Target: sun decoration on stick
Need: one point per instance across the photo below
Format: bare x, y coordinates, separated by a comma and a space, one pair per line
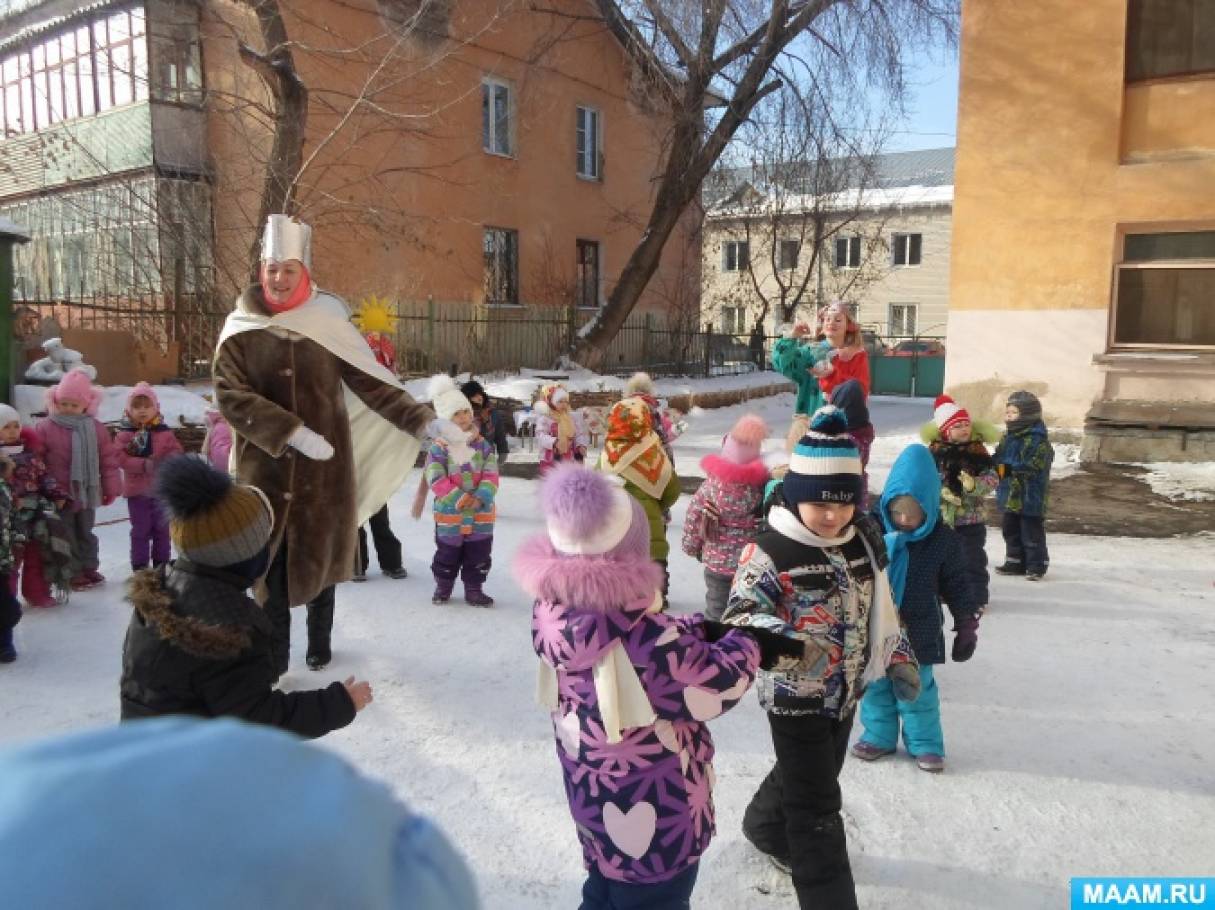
375, 315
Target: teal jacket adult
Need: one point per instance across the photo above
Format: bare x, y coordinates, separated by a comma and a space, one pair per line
794, 358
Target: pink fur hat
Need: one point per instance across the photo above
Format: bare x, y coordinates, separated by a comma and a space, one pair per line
743, 442
75, 386
144, 389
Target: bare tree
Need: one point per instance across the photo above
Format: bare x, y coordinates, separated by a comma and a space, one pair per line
742, 50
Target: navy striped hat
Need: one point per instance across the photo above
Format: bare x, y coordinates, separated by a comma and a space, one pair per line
826, 464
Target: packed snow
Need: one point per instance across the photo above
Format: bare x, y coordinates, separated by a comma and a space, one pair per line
1182, 480
1079, 737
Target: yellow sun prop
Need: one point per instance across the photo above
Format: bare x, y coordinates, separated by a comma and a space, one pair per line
375, 315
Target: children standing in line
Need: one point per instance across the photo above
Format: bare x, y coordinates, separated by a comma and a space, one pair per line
84, 462
559, 430
1023, 459
817, 573
144, 443
462, 471
42, 561
968, 475
197, 643
629, 689
633, 452
927, 566
10, 608
723, 516
850, 397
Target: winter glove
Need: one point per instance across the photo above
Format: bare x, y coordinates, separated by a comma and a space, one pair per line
773, 647
967, 481
966, 637
905, 679
310, 444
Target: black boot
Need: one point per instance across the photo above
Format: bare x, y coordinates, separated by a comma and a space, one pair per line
7, 652
320, 627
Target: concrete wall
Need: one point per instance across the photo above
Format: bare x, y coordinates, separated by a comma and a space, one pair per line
1056, 159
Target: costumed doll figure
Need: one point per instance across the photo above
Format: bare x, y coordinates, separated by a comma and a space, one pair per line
462, 472
144, 443
326, 432
43, 558
968, 477
927, 567
84, 462
633, 452
630, 690
723, 516
559, 430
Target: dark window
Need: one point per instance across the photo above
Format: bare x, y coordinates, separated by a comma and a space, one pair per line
789, 252
496, 117
587, 141
501, 249
1165, 294
1169, 38
735, 255
588, 274
848, 252
906, 249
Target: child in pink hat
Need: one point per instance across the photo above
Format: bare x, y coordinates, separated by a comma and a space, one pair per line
84, 462
144, 443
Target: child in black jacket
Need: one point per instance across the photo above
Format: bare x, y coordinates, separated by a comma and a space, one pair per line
197, 644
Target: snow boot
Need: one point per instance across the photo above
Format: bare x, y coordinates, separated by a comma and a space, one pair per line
95, 578
868, 751
476, 597
1034, 576
397, 574
442, 593
7, 652
1010, 568
320, 627
931, 762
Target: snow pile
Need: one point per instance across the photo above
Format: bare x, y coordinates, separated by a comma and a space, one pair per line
1067, 460
1194, 481
178, 404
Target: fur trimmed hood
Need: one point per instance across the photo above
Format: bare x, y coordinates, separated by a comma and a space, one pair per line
752, 474
594, 583
202, 616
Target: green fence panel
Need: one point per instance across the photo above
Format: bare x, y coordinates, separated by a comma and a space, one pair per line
929, 377
890, 375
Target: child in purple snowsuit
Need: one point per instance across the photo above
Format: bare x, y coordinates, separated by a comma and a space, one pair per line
630, 689
144, 442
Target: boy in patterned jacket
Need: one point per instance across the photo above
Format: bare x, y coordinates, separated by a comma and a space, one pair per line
817, 573
1023, 459
462, 472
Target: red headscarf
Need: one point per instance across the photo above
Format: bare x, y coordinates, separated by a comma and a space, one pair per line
301, 293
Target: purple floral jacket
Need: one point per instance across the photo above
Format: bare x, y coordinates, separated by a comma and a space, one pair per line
643, 807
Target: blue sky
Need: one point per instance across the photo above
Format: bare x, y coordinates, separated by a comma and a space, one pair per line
932, 102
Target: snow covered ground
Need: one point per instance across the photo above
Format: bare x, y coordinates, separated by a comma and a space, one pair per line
1080, 737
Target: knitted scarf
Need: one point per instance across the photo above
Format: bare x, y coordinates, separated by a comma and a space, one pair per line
86, 458
141, 445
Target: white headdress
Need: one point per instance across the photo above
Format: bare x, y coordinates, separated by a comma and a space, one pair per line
285, 238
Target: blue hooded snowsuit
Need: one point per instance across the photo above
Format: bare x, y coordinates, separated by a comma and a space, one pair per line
927, 566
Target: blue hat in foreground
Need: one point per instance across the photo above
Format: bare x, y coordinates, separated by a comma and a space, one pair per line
204, 814
825, 465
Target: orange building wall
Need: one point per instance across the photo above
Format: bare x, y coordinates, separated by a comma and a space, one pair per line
1043, 184
398, 205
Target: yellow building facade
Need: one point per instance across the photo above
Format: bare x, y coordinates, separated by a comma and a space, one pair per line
1084, 219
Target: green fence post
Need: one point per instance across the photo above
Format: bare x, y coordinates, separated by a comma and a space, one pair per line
10, 235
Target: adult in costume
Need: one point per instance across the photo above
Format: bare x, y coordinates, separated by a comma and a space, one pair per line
318, 425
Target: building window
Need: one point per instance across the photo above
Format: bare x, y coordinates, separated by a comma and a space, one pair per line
501, 249
1169, 38
587, 289
734, 320
902, 319
588, 141
848, 252
1165, 292
735, 255
496, 126
788, 254
905, 249
177, 63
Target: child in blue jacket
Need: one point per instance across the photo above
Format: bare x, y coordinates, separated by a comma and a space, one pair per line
1023, 459
927, 566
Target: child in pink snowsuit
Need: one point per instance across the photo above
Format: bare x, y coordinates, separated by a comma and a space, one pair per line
83, 460
144, 443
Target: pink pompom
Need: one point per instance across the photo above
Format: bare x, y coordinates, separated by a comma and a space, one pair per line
750, 430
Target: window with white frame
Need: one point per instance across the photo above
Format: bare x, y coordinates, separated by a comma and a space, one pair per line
905, 249
734, 320
787, 254
587, 287
848, 252
588, 141
496, 117
902, 319
735, 255
500, 247
1164, 295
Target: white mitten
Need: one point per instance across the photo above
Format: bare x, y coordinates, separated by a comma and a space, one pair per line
310, 444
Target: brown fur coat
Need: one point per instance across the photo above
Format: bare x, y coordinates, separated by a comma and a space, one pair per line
267, 385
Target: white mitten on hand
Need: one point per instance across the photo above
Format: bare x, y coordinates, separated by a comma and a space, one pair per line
967, 481
310, 444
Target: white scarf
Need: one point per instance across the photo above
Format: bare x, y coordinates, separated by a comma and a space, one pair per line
383, 454
884, 630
